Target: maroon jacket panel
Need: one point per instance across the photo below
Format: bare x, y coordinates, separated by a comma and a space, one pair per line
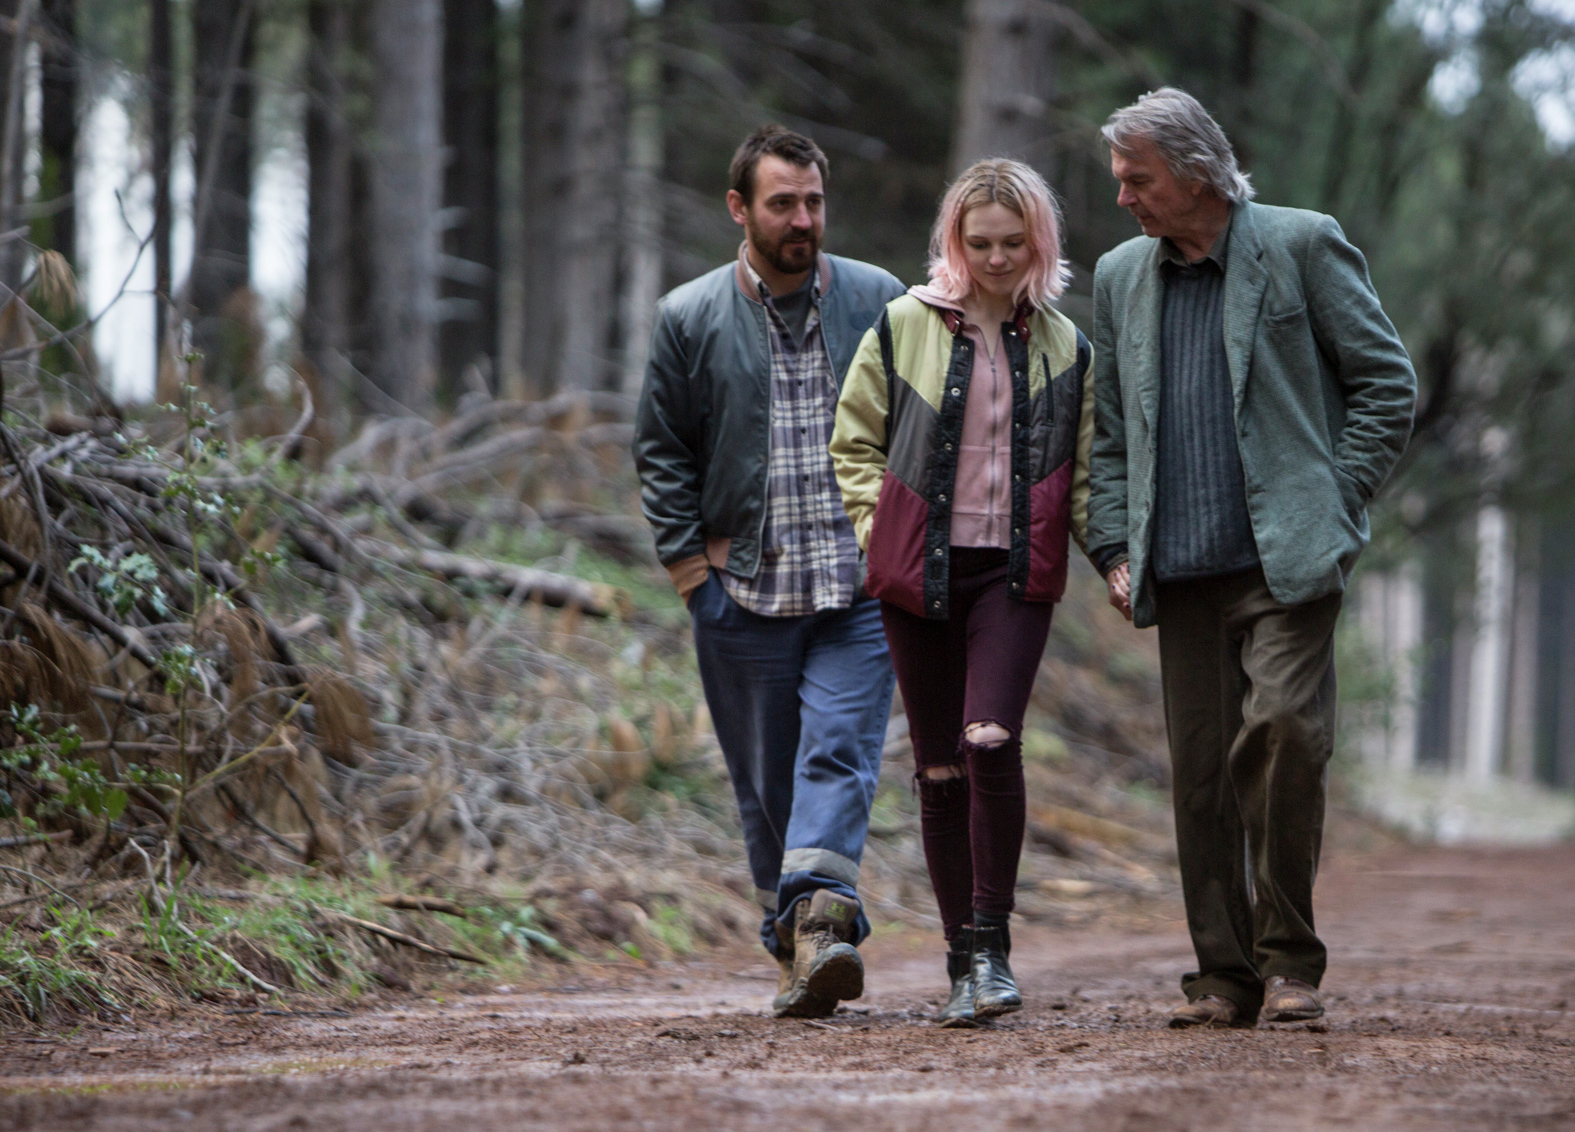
1049, 525
896, 558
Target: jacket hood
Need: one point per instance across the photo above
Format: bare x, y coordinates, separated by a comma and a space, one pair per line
931, 296
954, 314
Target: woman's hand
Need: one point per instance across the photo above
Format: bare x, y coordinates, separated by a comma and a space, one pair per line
1120, 582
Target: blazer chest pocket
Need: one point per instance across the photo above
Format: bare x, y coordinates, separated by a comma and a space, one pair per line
1292, 317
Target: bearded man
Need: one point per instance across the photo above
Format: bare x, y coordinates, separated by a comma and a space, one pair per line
731, 438
1251, 398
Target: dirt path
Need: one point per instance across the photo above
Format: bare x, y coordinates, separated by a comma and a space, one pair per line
1452, 1007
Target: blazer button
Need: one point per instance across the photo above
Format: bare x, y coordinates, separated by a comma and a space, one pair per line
956, 391
941, 497
938, 552
935, 604
948, 446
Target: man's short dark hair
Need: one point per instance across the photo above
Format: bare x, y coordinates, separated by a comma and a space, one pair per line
778, 141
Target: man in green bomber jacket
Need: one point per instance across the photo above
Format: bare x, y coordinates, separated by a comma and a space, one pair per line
1251, 399
730, 442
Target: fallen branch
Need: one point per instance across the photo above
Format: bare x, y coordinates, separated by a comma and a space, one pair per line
401, 937
34, 839
421, 904
558, 590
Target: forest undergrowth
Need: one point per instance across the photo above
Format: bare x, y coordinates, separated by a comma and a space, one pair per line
287, 723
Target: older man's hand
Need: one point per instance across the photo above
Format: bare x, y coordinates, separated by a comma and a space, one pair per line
1120, 582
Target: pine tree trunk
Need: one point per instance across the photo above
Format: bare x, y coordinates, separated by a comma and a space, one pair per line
161, 69
326, 322
472, 259
57, 177
573, 158
1008, 82
642, 203
218, 294
406, 183
19, 16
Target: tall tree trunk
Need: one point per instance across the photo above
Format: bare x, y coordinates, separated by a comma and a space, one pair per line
223, 94
1008, 82
20, 24
472, 252
161, 83
406, 197
642, 201
57, 178
326, 323
573, 157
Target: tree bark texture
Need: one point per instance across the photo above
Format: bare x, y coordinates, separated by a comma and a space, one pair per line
18, 16
471, 262
218, 294
643, 203
57, 176
574, 162
328, 320
406, 197
1007, 85
161, 70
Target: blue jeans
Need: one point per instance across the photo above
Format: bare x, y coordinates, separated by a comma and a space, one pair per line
800, 706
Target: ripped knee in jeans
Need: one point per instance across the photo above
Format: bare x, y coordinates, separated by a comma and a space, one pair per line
987, 734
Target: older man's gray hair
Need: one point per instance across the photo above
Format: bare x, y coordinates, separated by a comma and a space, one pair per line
1190, 141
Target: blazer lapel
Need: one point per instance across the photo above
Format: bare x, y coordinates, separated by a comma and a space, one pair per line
1144, 307
1246, 279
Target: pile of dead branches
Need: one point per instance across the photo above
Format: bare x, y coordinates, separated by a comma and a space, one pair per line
212, 654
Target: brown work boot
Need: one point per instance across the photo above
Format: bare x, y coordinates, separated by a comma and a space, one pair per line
1211, 1012
784, 985
1290, 1000
826, 968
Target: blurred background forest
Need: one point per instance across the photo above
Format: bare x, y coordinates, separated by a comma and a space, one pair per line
403, 201
359, 299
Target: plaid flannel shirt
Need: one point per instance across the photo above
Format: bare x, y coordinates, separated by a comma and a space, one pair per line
809, 558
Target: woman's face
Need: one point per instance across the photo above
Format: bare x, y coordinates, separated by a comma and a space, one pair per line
995, 244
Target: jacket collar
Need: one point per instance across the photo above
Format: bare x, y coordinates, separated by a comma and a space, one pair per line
1246, 280
952, 313
747, 289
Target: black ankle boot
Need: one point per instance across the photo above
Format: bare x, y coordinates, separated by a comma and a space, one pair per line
958, 1013
994, 988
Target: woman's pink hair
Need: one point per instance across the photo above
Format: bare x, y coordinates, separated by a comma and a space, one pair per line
1019, 188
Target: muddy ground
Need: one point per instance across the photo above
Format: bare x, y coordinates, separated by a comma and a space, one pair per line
1451, 990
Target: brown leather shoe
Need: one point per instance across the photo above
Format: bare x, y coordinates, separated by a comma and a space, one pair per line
1211, 1012
1290, 1000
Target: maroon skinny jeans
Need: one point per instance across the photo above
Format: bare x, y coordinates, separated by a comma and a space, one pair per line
978, 666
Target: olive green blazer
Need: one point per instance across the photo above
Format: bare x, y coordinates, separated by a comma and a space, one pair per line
1324, 394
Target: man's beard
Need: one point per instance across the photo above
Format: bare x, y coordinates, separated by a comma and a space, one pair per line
785, 255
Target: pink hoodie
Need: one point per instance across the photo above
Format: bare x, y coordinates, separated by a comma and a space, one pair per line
982, 497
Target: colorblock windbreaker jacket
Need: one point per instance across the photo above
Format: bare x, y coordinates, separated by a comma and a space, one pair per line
899, 423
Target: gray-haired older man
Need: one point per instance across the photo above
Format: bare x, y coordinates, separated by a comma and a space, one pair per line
1251, 398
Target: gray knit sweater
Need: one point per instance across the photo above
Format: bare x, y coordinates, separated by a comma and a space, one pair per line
1201, 525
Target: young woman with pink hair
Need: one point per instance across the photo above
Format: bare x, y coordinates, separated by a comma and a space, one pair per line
961, 448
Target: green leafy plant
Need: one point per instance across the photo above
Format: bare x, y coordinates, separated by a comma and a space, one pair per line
124, 581
523, 928
71, 785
